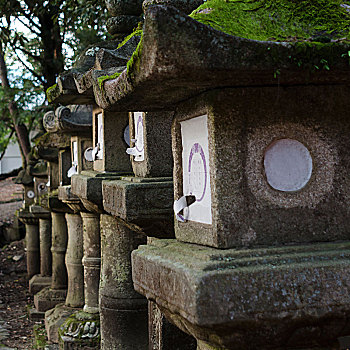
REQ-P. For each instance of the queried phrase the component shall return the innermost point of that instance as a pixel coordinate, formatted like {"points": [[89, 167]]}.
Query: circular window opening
{"points": [[288, 165]]}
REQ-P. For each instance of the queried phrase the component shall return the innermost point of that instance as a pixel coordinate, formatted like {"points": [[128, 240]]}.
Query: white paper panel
{"points": [[100, 140], [196, 171]]}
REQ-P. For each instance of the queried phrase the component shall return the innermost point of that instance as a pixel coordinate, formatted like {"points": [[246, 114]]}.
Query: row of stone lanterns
{"points": [[258, 192]]}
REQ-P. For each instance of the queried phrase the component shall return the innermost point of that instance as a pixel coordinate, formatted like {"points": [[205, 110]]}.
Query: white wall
{"points": [[11, 160]]}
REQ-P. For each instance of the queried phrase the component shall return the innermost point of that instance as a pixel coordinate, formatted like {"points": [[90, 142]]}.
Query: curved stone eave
{"points": [[67, 97], [181, 58]]}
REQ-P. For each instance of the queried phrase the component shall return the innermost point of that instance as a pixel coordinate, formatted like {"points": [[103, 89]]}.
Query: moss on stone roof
{"points": [[278, 20], [137, 31], [50, 92]]}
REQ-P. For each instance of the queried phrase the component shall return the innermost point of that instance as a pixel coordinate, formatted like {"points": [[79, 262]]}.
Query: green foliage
{"points": [[278, 20]]}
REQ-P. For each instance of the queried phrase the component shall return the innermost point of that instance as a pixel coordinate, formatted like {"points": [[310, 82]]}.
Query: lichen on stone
{"points": [[50, 92], [278, 20]]}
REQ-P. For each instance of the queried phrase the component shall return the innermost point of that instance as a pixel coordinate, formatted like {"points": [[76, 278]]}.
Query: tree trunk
{"points": [[20, 129], [52, 62]]}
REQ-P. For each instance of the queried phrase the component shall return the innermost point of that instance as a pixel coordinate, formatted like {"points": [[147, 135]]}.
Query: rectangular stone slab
{"points": [[234, 293], [145, 202], [88, 185]]}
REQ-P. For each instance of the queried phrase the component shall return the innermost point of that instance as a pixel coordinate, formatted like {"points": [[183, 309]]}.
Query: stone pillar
{"points": [[33, 250], [74, 255], [45, 247], [48, 297], [123, 312], [163, 335], [42, 280], [91, 261], [58, 249]]}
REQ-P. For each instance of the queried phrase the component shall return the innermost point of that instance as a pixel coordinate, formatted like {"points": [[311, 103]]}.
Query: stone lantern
{"points": [[260, 166]]}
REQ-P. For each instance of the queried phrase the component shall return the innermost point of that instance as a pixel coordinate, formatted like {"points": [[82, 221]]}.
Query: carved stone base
{"points": [[36, 315], [54, 318], [80, 331], [38, 282], [48, 298]]}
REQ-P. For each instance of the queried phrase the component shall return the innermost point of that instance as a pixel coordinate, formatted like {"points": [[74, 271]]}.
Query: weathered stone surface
{"points": [[65, 195], [55, 318], [80, 331], [64, 163], [48, 144], [163, 335], [158, 160], [54, 204], [88, 187], [122, 7], [45, 247], [48, 298], [33, 250], [186, 6], [91, 260], [123, 312], [82, 144], [122, 24], [53, 178], [39, 212], [58, 249], [38, 282], [72, 119], [74, 255], [114, 157], [246, 210], [66, 91], [181, 58], [288, 297], [146, 202]]}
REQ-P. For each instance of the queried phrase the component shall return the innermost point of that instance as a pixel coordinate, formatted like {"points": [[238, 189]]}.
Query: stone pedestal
{"points": [[296, 297], [75, 293], [33, 250], [123, 312], [82, 329], [49, 297], [38, 282], [74, 255], [45, 247], [91, 261]]}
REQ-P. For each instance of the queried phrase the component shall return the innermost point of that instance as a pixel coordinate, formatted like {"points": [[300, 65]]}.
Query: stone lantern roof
{"points": [[179, 57], [72, 119], [75, 86]]}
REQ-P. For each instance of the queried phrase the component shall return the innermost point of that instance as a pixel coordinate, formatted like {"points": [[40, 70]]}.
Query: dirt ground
{"points": [[15, 298], [16, 330]]}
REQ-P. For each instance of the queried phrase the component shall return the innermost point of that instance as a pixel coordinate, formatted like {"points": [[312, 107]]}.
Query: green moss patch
{"points": [[137, 32], [278, 20], [50, 92], [40, 338], [101, 80], [133, 65]]}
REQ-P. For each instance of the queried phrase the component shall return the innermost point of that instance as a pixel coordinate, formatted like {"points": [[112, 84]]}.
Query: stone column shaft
{"points": [[58, 249], [45, 245], [123, 312], [163, 335], [91, 260], [74, 255], [33, 250]]}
